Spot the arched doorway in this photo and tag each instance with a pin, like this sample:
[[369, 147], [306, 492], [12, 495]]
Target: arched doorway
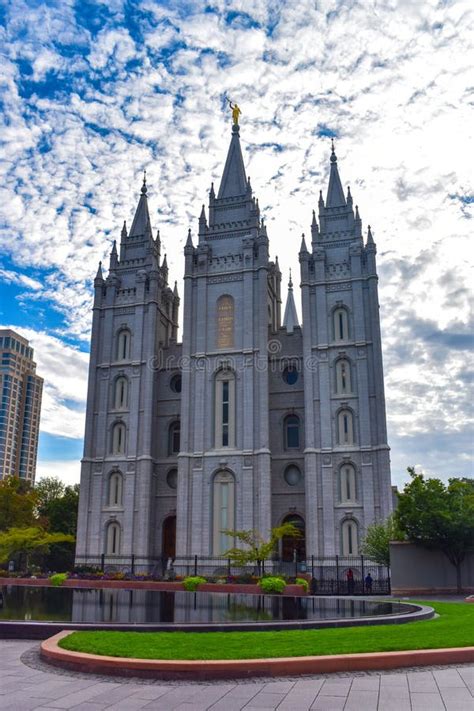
[[289, 544], [168, 546]]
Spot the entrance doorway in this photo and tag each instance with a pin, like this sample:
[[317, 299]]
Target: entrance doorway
[[168, 546], [289, 544]]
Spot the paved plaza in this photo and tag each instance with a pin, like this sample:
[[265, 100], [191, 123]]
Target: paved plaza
[[28, 683]]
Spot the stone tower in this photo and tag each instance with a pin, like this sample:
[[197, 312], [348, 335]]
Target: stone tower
[[135, 316], [347, 465]]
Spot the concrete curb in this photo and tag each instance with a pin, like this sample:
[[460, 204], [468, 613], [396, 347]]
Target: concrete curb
[[228, 668]]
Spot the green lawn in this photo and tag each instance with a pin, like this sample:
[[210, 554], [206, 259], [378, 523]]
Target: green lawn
[[453, 628]]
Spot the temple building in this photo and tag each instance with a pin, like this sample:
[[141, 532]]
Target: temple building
[[249, 421]]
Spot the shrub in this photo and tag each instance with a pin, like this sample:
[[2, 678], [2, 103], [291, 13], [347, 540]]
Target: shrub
[[58, 579], [272, 585], [191, 583], [304, 583]]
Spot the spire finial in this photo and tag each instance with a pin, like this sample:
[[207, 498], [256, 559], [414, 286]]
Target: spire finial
[[290, 282], [144, 188], [333, 153]]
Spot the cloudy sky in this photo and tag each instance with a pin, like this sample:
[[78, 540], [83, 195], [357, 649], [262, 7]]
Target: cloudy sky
[[92, 93]]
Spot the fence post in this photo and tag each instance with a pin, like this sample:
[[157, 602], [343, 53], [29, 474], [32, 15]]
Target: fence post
[[195, 565], [363, 573], [337, 574], [102, 561], [132, 567]]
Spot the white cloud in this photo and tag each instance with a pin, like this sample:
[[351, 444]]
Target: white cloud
[[69, 471]]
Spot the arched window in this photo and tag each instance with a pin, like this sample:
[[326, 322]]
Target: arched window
[[123, 344], [172, 478], [225, 409], [349, 538], [294, 545], [225, 322], [292, 432], [115, 489], [121, 393], [347, 484], [341, 324], [118, 438], [223, 511], [345, 426], [113, 539], [174, 434], [343, 377]]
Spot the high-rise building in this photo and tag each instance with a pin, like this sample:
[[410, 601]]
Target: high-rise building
[[249, 422], [20, 407]]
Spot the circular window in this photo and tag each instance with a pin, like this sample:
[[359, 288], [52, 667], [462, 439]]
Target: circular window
[[175, 383], [290, 375], [292, 475], [172, 478]]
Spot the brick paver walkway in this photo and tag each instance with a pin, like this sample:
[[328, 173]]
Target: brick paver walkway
[[27, 683]]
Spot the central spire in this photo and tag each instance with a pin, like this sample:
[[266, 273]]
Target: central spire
[[234, 180], [335, 196]]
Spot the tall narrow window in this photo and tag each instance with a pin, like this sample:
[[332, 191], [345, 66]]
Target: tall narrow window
[[292, 432], [113, 539], [174, 434], [349, 538], [123, 345], [225, 322], [345, 427], [343, 377], [341, 326], [118, 438], [347, 484], [121, 393], [225, 409], [223, 516], [115, 489]]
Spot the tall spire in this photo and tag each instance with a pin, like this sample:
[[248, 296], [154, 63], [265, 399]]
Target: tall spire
[[335, 197], [141, 222], [234, 180], [290, 319]]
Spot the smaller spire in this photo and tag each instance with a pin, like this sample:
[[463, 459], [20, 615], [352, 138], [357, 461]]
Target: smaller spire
[[357, 216], [175, 290], [99, 276], [333, 152], [144, 187], [124, 229], [202, 216], [189, 241], [321, 199], [370, 239], [113, 264], [290, 319], [165, 263], [212, 194], [349, 197], [303, 247]]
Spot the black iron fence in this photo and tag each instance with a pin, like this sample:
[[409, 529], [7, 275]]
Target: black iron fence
[[338, 575]]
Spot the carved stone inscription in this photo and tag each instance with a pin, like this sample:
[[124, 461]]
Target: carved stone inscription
[[225, 322]]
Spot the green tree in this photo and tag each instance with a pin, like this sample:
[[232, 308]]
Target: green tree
[[438, 517], [257, 548], [24, 543], [17, 503], [48, 490], [376, 542], [57, 506]]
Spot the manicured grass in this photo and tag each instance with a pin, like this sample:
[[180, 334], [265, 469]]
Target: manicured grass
[[453, 628]]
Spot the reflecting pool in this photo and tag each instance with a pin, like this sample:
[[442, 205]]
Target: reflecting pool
[[152, 607]]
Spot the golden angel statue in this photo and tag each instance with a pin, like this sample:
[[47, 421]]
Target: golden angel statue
[[235, 111]]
